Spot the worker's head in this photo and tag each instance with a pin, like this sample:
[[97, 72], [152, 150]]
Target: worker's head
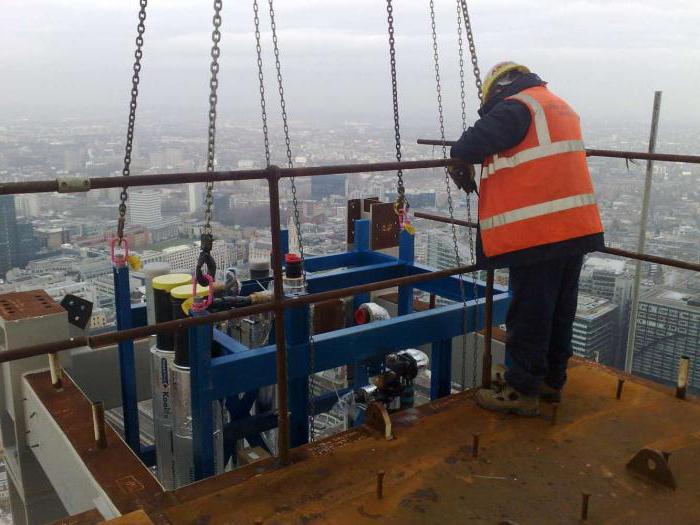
[[500, 76]]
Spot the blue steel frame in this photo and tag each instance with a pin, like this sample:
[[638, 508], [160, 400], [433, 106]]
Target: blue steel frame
[[240, 371]]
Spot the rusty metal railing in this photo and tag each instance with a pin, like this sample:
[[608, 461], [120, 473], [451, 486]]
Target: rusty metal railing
[[610, 153]]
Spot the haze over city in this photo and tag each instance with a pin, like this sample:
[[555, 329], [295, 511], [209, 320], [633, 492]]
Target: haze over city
[[72, 58]]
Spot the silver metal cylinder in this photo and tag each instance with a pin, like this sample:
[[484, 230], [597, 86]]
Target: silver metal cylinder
[[183, 448], [161, 361], [151, 270]]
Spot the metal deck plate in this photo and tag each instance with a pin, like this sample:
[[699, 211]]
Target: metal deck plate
[[527, 471]]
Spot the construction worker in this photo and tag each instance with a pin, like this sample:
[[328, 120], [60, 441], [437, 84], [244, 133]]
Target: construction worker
[[537, 217]]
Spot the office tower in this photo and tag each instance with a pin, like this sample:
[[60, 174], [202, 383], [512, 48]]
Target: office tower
[[595, 327], [144, 207], [8, 233], [668, 327]]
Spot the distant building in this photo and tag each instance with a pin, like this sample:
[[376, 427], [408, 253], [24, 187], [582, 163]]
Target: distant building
[[417, 199], [194, 197], [595, 328], [27, 244], [327, 185], [144, 207], [668, 327], [608, 278], [8, 233]]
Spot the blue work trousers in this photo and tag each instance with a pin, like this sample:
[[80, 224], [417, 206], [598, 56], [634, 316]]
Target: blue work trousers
[[540, 323]]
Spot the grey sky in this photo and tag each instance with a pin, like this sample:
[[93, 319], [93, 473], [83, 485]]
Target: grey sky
[[607, 57]]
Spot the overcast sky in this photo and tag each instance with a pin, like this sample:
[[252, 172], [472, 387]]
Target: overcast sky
[[606, 57]]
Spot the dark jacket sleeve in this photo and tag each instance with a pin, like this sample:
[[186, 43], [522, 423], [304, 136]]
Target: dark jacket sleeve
[[501, 128]]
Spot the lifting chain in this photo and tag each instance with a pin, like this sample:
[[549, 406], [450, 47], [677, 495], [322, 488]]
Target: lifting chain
[[207, 238], [311, 408], [401, 206], [450, 205], [472, 49], [460, 47], [138, 55], [477, 81]]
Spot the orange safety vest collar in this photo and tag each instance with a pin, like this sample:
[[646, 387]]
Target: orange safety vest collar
[[538, 192]]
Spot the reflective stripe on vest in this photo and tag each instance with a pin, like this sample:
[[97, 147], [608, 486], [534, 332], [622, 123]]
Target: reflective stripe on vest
[[537, 210], [538, 152]]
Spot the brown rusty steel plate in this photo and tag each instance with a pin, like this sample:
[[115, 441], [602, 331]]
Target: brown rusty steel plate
[[385, 226], [25, 305]]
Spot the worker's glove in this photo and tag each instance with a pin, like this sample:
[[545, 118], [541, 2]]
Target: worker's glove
[[463, 177]]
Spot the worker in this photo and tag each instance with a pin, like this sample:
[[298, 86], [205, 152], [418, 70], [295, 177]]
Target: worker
[[537, 217]]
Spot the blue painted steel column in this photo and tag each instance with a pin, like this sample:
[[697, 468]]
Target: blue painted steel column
[[361, 245], [127, 367], [284, 242], [296, 323], [407, 256], [441, 369], [200, 341]]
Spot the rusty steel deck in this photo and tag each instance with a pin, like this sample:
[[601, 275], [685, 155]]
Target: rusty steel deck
[[527, 470]]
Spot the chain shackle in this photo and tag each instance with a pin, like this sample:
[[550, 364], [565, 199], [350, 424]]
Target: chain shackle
[[128, 148]]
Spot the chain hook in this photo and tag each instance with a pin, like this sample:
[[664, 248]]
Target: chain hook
[[201, 306]]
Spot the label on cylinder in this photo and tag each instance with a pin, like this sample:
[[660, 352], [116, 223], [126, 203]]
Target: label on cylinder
[[162, 416]]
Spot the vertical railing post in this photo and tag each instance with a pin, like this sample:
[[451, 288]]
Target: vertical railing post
[[406, 256], [127, 367], [199, 341], [273, 178], [634, 304]]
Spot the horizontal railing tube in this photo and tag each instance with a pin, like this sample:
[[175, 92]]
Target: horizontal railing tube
[[610, 153], [675, 263], [162, 179], [110, 338]]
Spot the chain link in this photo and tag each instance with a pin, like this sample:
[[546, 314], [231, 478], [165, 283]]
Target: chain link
[[472, 50], [477, 81], [311, 409], [213, 99], [261, 80], [460, 47], [450, 205], [402, 204], [135, 79]]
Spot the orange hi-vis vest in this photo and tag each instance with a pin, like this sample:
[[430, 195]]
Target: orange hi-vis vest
[[538, 192]]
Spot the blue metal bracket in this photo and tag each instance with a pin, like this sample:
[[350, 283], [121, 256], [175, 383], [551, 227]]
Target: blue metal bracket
[[127, 365]]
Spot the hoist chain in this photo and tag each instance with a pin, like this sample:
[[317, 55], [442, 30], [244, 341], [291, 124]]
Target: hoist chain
[[400, 190], [472, 49], [135, 79], [460, 47], [311, 409], [207, 238], [477, 81], [450, 205], [261, 79]]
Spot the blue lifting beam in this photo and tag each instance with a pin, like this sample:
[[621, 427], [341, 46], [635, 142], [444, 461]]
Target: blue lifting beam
[[240, 371]]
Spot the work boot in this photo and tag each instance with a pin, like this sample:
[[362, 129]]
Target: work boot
[[498, 376], [508, 400], [549, 394]]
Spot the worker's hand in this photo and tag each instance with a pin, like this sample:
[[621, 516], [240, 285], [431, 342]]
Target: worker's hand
[[463, 177]]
